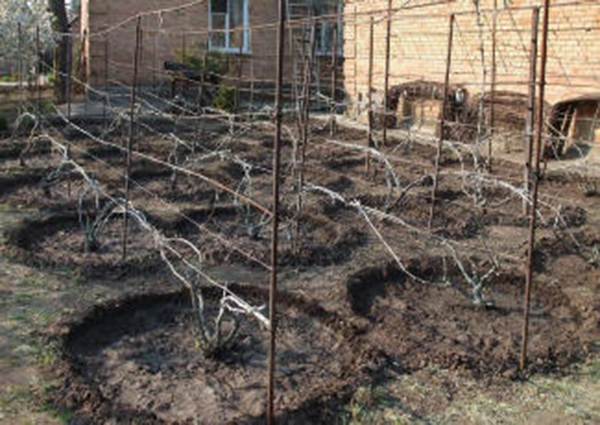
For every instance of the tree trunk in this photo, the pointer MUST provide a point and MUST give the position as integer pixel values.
(60, 24)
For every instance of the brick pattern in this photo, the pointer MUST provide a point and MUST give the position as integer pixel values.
(164, 40)
(419, 40)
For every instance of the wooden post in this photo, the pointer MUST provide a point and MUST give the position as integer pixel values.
(386, 82)
(275, 223)
(370, 141)
(440, 146)
(134, 86)
(539, 136)
(530, 118)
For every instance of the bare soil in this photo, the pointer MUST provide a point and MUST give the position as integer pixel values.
(138, 359)
(358, 314)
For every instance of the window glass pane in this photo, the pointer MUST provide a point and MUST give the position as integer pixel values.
(218, 6)
(236, 22)
(217, 37)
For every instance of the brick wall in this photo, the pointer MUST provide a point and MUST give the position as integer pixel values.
(164, 39)
(419, 39)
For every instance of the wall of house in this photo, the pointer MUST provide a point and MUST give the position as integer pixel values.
(419, 44)
(165, 37)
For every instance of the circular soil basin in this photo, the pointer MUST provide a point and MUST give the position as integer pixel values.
(57, 240)
(139, 359)
(419, 325)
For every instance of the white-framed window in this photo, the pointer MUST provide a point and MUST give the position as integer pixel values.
(325, 27)
(228, 22)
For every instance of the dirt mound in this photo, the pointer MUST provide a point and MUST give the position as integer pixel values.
(417, 325)
(138, 359)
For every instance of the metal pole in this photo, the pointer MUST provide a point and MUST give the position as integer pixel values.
(355, 68)
(38, 73)
(239, 78)
(20, 66)
(530, 118)
(305, 128)
(442, 121)
(251, 83)
(134, 85)
(69, 70)
(105, 79)
(492, 88)
(275, 228)
(334, 66)
(203, 75)
(536, 177)
(370, 140)
(386, 83)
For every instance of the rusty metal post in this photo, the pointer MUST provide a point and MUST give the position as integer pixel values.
(386, 81)
(304, 128)
(38, 72)
(134, 85)
(355, 68)
(334, 66)
(539, 139)
(105, 79)
(530, 118)
(275, 224)
(183, 47)
(438, 155)
(69, 72)
(251, 83)
(203, 76)
(492, 118)
(154, 41)
(238, 80)
(370, 141)
(20, 66)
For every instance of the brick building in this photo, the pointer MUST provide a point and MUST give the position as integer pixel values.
(418, 50)
(244, 32)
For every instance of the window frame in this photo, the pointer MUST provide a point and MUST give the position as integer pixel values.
(324, 29)
(245, 25)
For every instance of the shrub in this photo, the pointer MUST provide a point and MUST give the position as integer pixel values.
(225, 99)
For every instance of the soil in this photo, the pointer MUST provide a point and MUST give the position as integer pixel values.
(138, 358)
(359, 312)
(437, 325)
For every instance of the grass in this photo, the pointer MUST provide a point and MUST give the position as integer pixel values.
(572, 399)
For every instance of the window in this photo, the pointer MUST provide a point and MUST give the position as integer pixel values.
(228, 20)
(325, 28)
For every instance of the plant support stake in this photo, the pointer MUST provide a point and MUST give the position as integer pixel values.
(386, 82)
(370, 142)
(530, 118)
(492, 121)
(134, 85)
(535, 186)
(334, 56)
(440, 146)
(275, 223)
